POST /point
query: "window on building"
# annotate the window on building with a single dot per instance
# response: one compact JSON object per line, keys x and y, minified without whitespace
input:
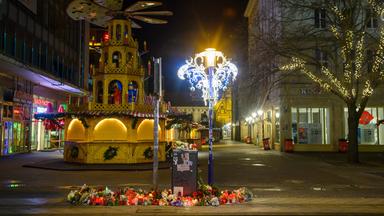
{"x":370,"y":18}
{"x":320,"y":18}
{"x":321,"y":58}
{"x":310,"y":125}
{"x":370,"y":55}
{"x":368,"y":132}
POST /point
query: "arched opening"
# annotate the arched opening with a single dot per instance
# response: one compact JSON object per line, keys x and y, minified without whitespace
{"x":114,"y":92}
{"x":118,"y":32}
{"x":145,"y":130}
{"x":116,"y":58}
{"x":76,"y":130}
{"x":110,"y":129}
{"x":99,"y":92}
{"x":129,"y":58}
{"x":132,"y":92}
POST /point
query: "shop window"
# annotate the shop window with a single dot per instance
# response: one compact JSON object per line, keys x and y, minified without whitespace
{"x":132,"y":92}
{"x":368,"y":132}
{"x":116,"y":58}
{"x":118,"y":32}
{"x":310,"y":125}
{"x":99,"y":91}
{"x":114,"y":92}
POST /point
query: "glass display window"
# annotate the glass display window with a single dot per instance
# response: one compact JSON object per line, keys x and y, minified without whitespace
{"x":310,"y":125}
{"x":368,"y":132}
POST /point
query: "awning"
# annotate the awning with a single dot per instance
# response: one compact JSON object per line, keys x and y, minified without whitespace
{"x":13,"y":67}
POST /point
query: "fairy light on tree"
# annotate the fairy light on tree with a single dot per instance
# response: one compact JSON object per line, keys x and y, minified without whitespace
{"x":353,"y":77}
{"x":210,"y":72}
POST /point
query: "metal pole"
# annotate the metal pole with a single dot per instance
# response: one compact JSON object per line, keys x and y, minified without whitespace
{"x":156,"y":144}
{"x":210,"y":112}
{"x":158,"y":90}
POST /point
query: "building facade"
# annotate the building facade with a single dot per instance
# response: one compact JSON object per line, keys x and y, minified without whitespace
{"x":290,"y":106}
{"x":43,"y":64}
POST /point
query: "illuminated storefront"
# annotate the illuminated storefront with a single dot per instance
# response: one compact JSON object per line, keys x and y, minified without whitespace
{"x":16,"y":122}
{"x":368,"y":132}
{"x":42,"y":137}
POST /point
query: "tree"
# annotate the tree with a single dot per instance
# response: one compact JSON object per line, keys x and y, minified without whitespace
{"x":348,"y":44}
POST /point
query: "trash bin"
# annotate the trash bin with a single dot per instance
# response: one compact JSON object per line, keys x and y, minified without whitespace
{"x":266,"y":144}
{"x":288,"y":145}
{"x":184,"y":172}
{"x":343,"y":145}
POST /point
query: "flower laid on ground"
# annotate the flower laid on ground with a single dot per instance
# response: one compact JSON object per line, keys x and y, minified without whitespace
{"x":205,"y":196}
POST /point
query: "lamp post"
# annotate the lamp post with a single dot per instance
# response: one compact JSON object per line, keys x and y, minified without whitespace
{"x":210,"y":72}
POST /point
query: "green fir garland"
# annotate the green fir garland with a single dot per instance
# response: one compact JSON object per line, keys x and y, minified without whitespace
{"x":74,"y":152}
{"x":110,"y":153}
{"x":148,"y":153}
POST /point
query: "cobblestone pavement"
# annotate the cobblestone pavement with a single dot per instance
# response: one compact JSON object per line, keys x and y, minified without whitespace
{"x":283,"y":184}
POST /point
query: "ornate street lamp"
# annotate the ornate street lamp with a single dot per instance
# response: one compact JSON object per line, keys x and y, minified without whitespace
{"x":210,"y":72}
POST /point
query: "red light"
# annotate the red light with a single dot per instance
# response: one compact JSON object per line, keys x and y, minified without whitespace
{"x":106,"y":36}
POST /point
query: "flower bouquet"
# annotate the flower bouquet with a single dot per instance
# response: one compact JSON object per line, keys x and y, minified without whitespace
{"x":205,"y":196}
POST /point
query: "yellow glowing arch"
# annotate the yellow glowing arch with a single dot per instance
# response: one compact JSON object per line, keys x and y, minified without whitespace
{"x":110,"y":129}
{"x":145,"y":130}
{"x":76,"y":130}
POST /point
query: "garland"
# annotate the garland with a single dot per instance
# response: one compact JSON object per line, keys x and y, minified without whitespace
{"x":148,"y":153}
{"x":84,"y":122}
{"x":74,"y":152}
{"x":110,"y":153}
{"x":134,"y":122}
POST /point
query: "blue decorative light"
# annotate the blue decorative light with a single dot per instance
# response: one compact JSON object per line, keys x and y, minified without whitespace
{"x":195,"y":72}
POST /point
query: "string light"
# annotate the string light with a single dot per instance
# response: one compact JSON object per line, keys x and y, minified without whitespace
{"x":194,"y":71}
{"x":352,"y":54}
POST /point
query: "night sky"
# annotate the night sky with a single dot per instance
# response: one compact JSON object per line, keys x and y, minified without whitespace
{"x":195,"y":25}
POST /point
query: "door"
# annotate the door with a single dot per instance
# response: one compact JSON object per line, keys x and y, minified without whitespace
{"x":7,"y":138}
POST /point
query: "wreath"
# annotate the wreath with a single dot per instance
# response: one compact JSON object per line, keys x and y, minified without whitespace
{"x":148,"y":153}
{"x":110,"y":153}
{"x":74,"y":152}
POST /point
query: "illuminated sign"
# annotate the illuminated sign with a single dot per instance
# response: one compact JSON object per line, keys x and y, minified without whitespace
{"x":41,"y":102}
{"x":94,"y":44}
{"x":41,"y":109}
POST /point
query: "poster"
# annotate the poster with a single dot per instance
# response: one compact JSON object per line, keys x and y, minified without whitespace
{"x":303,"y":133}
{"x":184,"y":172}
